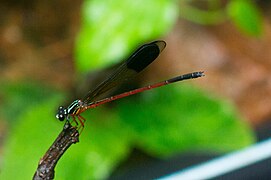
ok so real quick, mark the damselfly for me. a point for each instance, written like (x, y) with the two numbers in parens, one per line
(138, 61)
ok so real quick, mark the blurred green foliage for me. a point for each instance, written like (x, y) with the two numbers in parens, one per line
(111, 30)
(246, 17)
(243, 13)
(182, 118)
(162, 123)
(16, 98)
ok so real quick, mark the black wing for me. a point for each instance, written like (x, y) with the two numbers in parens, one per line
(138, 61)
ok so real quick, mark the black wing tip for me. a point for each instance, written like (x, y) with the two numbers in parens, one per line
(145, 55)
(160, 43)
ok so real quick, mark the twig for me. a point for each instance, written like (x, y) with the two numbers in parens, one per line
(68, 136)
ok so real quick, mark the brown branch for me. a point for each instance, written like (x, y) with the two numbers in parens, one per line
(68, 136)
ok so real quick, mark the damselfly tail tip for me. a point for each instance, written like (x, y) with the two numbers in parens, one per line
(200, 73)
(197, 74)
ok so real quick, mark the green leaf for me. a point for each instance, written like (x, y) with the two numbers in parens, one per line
(99, 150)
(163, 122)
(28, 140)
(246, 16)
(111, 29)
(174, 119)
(103, 144)
(16, 98)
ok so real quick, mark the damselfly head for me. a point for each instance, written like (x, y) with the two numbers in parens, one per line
(61, 113)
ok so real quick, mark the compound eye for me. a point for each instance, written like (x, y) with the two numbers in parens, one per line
(60, 117)
(61, 108)
(61, 114)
